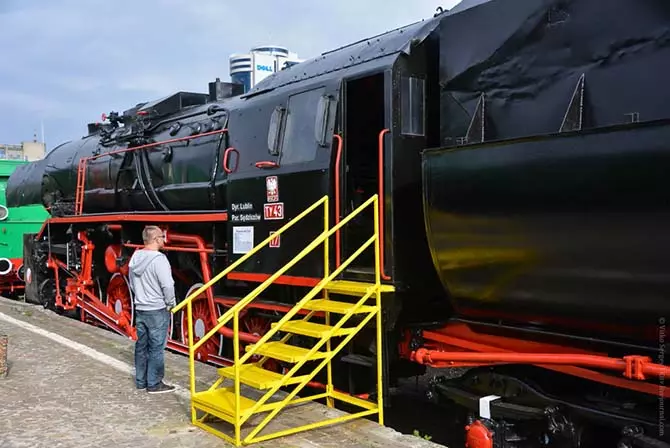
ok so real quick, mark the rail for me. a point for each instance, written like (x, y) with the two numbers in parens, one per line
(381, 201)
(380, 186)
(83, 163)
(338, 192)
(234, 312)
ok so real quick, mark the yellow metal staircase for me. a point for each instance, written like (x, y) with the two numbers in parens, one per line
(329, 337)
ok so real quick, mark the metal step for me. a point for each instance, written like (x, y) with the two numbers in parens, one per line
(333, 306)
(311, 329)
(221, 403)
(358, 289)
(257, 377)
(285, 352)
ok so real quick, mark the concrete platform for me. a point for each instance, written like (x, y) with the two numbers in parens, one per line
(71, 385)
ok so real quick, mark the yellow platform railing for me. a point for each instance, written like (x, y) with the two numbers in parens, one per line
(372, 289)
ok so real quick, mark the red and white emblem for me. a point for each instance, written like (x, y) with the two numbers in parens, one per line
(272, 188)
(276, 241)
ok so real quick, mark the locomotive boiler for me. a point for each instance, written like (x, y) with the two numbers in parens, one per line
(519, 151)
(182, 175)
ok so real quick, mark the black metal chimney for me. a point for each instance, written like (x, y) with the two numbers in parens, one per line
(220, 90)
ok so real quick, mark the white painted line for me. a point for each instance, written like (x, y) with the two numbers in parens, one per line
(86, 350)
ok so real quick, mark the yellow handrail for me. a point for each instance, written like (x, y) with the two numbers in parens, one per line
(249, 254)
(310, 295)
(239, 360)
(325, 339)
(223, 320)
(290, 314)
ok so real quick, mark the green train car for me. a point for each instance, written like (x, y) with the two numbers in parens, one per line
(14, 223)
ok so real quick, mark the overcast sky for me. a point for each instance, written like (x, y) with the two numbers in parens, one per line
(65, 62)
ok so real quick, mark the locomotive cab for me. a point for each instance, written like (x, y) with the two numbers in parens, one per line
(349, 131)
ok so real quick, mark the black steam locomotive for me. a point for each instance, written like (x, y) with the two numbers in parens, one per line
(520, 148)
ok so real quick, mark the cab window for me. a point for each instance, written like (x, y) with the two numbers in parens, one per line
(306, 123)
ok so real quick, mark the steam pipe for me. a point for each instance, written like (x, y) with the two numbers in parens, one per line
(636, 367)
(206, 272)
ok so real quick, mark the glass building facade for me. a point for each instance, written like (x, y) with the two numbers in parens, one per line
(240, 70)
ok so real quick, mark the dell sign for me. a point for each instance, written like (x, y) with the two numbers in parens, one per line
(263, 66)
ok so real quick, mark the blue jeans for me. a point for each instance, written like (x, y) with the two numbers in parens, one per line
(152, 327)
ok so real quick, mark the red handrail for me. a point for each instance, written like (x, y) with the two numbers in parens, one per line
(266, 164)
(381, 203)
(226, 168)
(81, 168)
(204, 264)
(338, 159)
(162, 142)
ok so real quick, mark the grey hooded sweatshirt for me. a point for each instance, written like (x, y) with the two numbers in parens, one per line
(151, 280)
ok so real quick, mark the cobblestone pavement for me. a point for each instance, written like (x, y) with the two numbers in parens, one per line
(59, 393)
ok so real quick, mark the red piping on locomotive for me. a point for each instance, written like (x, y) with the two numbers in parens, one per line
(452, 346)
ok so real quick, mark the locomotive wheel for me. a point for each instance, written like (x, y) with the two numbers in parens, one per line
(258, 325)
(47, 293)
(119, 297)
(202, 323)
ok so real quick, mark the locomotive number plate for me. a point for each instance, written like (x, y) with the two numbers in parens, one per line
(276, 241)
(274, 211)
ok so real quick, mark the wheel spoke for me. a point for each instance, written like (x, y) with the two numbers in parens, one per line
(119, 297)
(202, 324)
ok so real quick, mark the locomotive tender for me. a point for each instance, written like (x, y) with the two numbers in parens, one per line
(520, 149)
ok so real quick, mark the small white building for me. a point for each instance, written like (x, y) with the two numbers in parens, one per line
(29, 151)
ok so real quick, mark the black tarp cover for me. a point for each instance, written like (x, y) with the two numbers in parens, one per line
(527, 57)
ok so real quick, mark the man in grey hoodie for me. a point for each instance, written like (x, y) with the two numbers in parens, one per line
(153, 289)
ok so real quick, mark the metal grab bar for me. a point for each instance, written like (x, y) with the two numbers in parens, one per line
(381, 202)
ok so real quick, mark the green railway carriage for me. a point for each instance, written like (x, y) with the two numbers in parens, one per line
(14, 223)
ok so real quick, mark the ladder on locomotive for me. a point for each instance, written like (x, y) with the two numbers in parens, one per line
(219, 404)
(81, 187)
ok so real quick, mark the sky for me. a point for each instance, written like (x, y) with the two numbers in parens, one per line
(66, 62)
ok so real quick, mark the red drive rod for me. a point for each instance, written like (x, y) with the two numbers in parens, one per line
(634, 367)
